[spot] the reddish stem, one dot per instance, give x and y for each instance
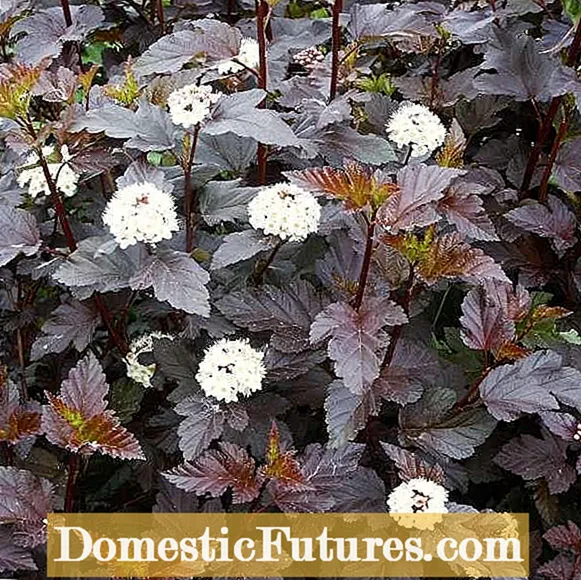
(472, 393)
(551, 161)
(535, 153)
(160, 15)
(545, 128)
(73, 470)
(58, 204)
(336, 39)
(366, 263)
(262, 15)
(396, 333)
(264, 266)
(436, 73)
(72, 243)
(67, 12)
(189, 193)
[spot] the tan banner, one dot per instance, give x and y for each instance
(288, 545)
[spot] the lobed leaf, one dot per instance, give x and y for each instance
(175, 278)
(533, 458)
(485, 325)
(74, 323)
(19, 233)
(530, 385)
(25, 500)
(18, 421)
(356, 338)
(78, 419)
(215, 471)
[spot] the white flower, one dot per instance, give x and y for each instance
(135, 370)
(65, 178)
(191, 105)
(415, 126)
(410, 500)
(286, 211)
(249, 55)
(309, 57)
(577, 435)
(141, 212)
(231, 368)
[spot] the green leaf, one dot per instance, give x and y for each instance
(571, 336)
(155, 158)
(573, 9)
(124, 398)
(320, 13)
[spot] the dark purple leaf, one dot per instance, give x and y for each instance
(241, 246)
(89, 269)
(74, 322)
(411, 466)
(534, 458)
(283, 366)
(414, 204)
(325, 472)
(12, 556)
(217, 470)
(558, 568)
(56, 87)
(411, 368)
(204, 422)
(470, 26)
(18, 234)
(211, 39)
(46, 32)
(348, 496)
(371, 21)
(78, 418)
(485, 325)
(25, 501)
(433, 425)
(530, 386)
(555, 222)
(567, 168)
(288, 313)
(462, 207)
(347, 412)
(565, 537)
(561, 424)
(522, 72)
(176, 278)
(238, 114)
(356, 338)
(172, 499)
(147, 129)
(224, 201)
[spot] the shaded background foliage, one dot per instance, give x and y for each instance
(428, 329)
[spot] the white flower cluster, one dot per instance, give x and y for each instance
(286, 211)
(577, 435)
(410, 500)
(135, 370)
(191, 105)
(141, 212)
(415, 126)
(248, 55)
(309, 57)
(231, 368)
(65, 178)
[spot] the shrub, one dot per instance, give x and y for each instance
(264, 255)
